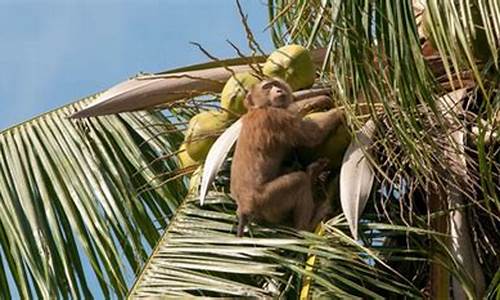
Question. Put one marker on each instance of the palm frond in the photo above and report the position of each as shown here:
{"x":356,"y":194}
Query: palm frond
{"x":378,"y":56}
{"x":217,"y":155}
{"x":199,"y":255}
{"x":356,"y":177}
{"x":69,"y":208}
{"x":493,"y":291}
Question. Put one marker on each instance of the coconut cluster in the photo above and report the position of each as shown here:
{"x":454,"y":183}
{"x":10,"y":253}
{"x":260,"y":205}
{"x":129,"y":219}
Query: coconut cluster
{"x":291,"y":63}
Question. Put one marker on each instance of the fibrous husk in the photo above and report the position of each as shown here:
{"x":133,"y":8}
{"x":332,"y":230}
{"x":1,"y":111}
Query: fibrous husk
{"x":203,"y":131}
{"x":184,"y":159}
{"x":333,"y":148}
{"x":292,"y":63}
{"x":235,"y":90}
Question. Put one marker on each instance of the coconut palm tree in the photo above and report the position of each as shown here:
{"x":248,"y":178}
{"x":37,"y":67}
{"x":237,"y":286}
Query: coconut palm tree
{"x":416,"y":207}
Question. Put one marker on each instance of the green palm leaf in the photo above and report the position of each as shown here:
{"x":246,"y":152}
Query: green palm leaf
{"x":199,"y":255}
{"x":95,"y":194}
{"x":69,"y":210}
{"x":379,"y":56}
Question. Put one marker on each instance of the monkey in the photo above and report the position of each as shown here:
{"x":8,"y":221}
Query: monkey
{"x":263,"y":192}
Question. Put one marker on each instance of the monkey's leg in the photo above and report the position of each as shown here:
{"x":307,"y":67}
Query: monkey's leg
{"x":322,"y":209}
{"x":288,"y":193}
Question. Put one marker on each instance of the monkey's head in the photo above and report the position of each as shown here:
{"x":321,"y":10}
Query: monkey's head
{"x":272,"y":92}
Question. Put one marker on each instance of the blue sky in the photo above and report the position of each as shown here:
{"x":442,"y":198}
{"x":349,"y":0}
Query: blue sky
{"x":55,"y":52}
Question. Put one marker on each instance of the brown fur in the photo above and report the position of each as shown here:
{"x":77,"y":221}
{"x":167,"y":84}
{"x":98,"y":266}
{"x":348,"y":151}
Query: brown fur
{"x":269,"y":133}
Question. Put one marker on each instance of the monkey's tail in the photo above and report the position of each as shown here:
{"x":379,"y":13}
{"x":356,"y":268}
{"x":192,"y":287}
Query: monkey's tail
{"x":242,"y":222}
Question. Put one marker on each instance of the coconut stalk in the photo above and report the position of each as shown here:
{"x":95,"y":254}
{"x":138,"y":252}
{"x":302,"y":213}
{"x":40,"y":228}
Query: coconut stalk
{"x":146,"y":92}
{"x":472,"y":284}
{"x":149,"y":92}
{"x":439,"y":277}
{"x":461,"y":241}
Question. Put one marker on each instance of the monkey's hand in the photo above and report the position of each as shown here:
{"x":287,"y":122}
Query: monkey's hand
{"x":303,"y":107}
{"x":314,"y":169}
{"x":315,"y":129}
{"x":329,"y":120}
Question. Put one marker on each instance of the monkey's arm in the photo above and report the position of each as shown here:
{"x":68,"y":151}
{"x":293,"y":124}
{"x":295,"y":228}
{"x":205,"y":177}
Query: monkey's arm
{"x":302,"y":107}
{"x":313,"y":132}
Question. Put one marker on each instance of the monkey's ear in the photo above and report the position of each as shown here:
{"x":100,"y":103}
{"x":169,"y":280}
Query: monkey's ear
{"x":248,"y":102}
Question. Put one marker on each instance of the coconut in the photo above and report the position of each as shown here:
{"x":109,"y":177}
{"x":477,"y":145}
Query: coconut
{"x":293,"y":64}
{"x":184,"y":159}
{"x":203,"y":131}
{"x":235,"y":90}
{"x":333,"y":147}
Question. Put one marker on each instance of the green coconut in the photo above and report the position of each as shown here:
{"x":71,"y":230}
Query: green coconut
{"x":333,"y":147}
{"x":203,"y":131}
{"x":234,"y":92}
{"x":184,"y":159}
{"x":292,"y":63}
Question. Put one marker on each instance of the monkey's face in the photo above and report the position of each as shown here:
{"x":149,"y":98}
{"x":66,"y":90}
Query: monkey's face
{"x":273,"y":92}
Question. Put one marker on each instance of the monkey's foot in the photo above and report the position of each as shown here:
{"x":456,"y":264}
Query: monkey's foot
{"x":323,"y":212}
{"x":315,"y":168}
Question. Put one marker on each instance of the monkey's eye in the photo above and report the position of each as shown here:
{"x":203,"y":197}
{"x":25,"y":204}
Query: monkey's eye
{"x":268,"y":85}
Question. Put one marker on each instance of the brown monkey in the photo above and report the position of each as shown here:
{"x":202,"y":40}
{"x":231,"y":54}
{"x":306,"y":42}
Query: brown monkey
{"x":268,"y":134}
